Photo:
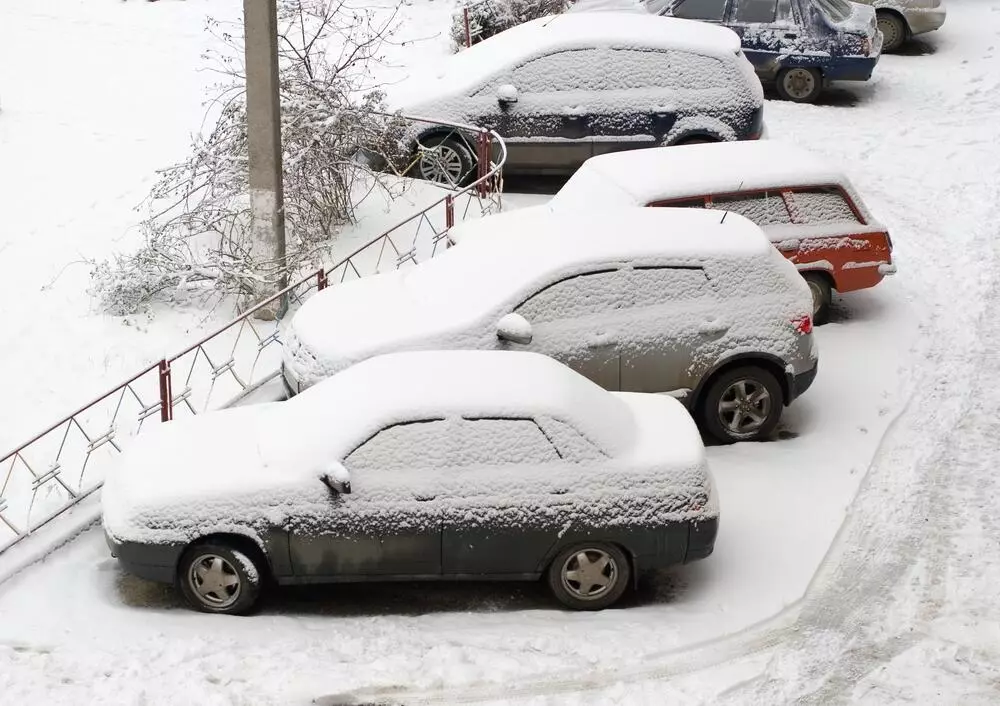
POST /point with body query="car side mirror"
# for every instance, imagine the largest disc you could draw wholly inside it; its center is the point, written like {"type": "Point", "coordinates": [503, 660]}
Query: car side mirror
{"type": "Point", "coordinates": [337, 479]}
{"type": "Point", "coordinates": [506, 95]}
{"type": "Point", "coordinates": [514, 328]}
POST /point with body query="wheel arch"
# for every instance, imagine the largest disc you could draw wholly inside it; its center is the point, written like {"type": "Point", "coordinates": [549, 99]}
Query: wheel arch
{"type": "Point", "coordinates": [768, 362]}
{"type": "Point", "coordinates": [821, 272]}
{"type": "Point", "coordinates": [558, 547]}
{"type": "Point", "coordinates": [247, 542]}
{"type": "Point", "coordinates": [445, 132]}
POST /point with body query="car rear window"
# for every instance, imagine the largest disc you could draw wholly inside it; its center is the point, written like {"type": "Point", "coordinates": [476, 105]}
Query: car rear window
{"type": "Point", "coordinates": [836, 10]}
{"type": "Point", "coordinates": [820, 205]}
{"type": "Point", "coordinates": [752, 11]}
{"type": "Point", "coordinates": [764, 209]}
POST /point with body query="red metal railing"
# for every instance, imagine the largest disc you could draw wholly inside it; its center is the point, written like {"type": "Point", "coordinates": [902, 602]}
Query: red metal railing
{"type": "Point", "coordinates": [56, 469]}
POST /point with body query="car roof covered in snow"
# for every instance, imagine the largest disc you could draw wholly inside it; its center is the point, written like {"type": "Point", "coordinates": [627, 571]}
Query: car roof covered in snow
{"type": "Point", "coordinates": [639, 177]}
{"type": "Point", "coordinates": [569, 31]}
{"type": "Point", "coordinates": [414, 385]}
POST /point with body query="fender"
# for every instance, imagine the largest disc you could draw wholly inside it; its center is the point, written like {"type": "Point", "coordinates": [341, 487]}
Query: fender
{"type": "Point", "coordinates": [784, 379]}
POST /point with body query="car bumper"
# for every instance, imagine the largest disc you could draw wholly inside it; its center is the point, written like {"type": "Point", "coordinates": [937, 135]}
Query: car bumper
{"type": "Point", "coordinates": [798, 384]}
{"type": "Point", "coordinates": [701, 539]}
{"type": "Point", "coordinates": [850, 69]}
{"type": "Point", "coordinates": [921, 21]}
{"type": "Point", "coordinates": [153, 562]}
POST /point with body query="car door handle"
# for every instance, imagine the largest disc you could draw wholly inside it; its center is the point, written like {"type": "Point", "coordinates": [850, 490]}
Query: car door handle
{"type": "Point", "coordinates": [791, 35]}
{"type": "Point", "coordinates": [424, 498]}
{"type": "Point", "coordinates": [713, 327]}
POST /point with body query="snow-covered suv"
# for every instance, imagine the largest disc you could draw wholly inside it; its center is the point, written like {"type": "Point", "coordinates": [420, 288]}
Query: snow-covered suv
{"type": "Point", "coordinates": [561, 89]}
{"type": "Point", "coordinates": [715, 316]}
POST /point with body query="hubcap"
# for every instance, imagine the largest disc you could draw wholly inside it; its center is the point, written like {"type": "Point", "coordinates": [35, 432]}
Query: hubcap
{"type": "Point", "coordinates": [817, 295]}
{"type": "Point", "coordinates": [890, 33]}
{"type": "Point", "coordinates": [744, 407]}
{"type": "Point", "coordinates": [799, 83]}
{"type": "Point", "coordinates": [589, 574]}
{"type": "Point", "coordinates": [214, 580]}
{"type": "Point", "coordinates": [442, 164]}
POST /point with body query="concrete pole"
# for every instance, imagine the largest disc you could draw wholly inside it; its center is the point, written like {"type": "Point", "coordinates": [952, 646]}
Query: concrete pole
{"type": "Point", "coordinates": [260, 25]}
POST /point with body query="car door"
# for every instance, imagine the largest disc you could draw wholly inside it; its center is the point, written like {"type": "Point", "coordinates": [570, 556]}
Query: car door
{"type": "Point", "coordinates": [576, 321]}
{"type": "Point", "coordinates": [390, 523]}
{"type": "Point", "coordinates": [767, 29]}
{"type": "Point", "coordinates": [503, 513]}
{"type": "Point", "coordinates": [637, 105]}
{"type": "Point", "coordinates": [547, 129]}
{"type": "Point", "coordinates": [674, 323]}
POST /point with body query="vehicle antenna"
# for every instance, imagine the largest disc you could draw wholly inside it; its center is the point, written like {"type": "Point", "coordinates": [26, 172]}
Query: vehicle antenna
{"type": "Point", "coordinates": [726, 213]}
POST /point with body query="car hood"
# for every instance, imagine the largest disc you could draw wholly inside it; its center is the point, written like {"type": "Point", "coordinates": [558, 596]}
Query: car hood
{"type": "Point", "coordinates": [350, 322]}
{"type": "Point", "coordinates": [194, 476]}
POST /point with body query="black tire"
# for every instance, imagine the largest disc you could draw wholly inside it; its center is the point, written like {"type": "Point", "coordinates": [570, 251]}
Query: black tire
{"type": "Point", "coordinates": [696, 140]}
{"type": "Point", "coordinates": [894, 31]}
{"type": "Point", "coordinates": [799, 84]}
{"type": "Point", "coordinates": [822, 295]}
{"type": "Point", "coordinates": [444, 159]}
{"type": "Point", "coordinates": [222, 564]}
{"type": "Point", "coordinates": [571, 591]}
{"type": "Point", "coordinates": [734, 396]}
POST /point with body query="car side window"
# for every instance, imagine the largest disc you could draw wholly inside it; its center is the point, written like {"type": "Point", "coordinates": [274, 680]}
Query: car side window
{"type": "Point", "coordinates": [751, 11]}
{"type": "Point", "coordinates": [575, 297]}
{"type": "Point", "coordinates": [712, 10]}
{"type": "Point", "coordinates": [649, 286]}
{"type": "Point", "coordinates": [630, 69]}
{"type": "Point", "coordinates": [408, 445]}
{"type": "Point", "coordinates": [571, 444]}
{"type": "Point", "coordinates": [498, 442]}
{"type": "Point", "coordinates": [820, 205]}
{"type": "Point", "coordinates": [681, 203]}
{"type": "Point", "coordinates": [764, 209]}
{"type": "Point", "coordinates": [561, 71]}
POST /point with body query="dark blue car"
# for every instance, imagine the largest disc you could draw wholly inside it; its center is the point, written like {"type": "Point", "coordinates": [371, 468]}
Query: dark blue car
{"type": "Point", "coordinates": [798, 45]}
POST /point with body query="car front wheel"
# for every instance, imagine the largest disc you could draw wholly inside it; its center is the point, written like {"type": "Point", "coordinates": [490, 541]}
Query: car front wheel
{"type": "Point", "coordinates": [215, 578]}
{"type": "Point", "coordinates": [742, 404]}
{"type": "Point", "coordinates": [799, 84]}
{"type": "Point", "coordinates": [589, 576]}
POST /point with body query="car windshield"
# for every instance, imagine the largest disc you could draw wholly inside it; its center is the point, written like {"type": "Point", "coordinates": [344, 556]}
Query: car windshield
{"type": "Point", "coordinates": [836, 10]}
{"type": "Point", "coordinates": [657, 6]}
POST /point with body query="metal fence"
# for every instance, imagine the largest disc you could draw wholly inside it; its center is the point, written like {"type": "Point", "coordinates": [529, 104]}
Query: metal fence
{"type": "Point", "coordinates": [45, 476]}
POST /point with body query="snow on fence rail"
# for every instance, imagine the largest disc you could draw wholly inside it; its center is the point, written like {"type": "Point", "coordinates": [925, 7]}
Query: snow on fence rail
{"type": "Point", "coordinates": [50, 473]}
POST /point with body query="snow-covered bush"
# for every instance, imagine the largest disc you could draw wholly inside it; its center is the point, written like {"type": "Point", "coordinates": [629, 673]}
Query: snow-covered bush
{"type": "Point", "coordinates": [198, 235]}
{"type": "Point", "coordinates": [489, 17]}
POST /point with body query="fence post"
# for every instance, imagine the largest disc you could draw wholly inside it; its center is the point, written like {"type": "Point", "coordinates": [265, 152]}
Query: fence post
{"type": "Point", "coordinates": [468, 29]}
{"type": "Point", "coordinates": [321, 280]}
{"type": "Point", "coordinates": [166, 393]}
{"type": "Point", "coordinates": [483, 161]}
{"type": "Point", "coordinates": [449, 211]}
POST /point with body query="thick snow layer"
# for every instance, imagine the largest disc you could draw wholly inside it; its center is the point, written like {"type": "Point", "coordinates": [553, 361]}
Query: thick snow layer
{"type": "Point", "coordinates": [457, 299]}
{"type": "Point", "coordinates": [472, 67]}
{"type": "Point", "coordinates": [255, 467]}
{"type": "Point", "coordinates": [640, 177]}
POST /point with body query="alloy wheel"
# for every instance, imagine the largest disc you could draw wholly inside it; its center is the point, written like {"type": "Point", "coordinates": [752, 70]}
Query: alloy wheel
{"type": "Point", "coordinates": [214, 581]}
{"type": "Point", "coordinates": [442, 164]}
{"type": "Point", "coordinates": [744, 406]}
{"type": "Point", "coordinates": [589, 574]}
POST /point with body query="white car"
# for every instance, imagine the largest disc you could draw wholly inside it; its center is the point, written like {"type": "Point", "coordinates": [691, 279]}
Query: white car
{"type": "Point", "coordinates": [714, 315]}
{"type": "Point", "coordinates": [561, 89]}
{"type": "Point", "coordinates": [427, 465]}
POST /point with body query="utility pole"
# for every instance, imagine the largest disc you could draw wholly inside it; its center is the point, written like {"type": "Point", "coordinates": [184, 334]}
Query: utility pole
{"type": "Point", "coordinates": [267, 226]}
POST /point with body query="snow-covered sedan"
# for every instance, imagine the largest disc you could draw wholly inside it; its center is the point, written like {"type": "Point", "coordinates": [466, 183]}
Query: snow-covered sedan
{"type": "Point", "coordinates": [424, 465]}
{"type": "Point", "coordinates": [692, 302]}
{"type": "Point", "coordinates": [564, 88]}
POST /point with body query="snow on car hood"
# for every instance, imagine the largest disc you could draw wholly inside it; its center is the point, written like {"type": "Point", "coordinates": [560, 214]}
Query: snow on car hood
{"type": "Point", "coordinates": [199, 475]}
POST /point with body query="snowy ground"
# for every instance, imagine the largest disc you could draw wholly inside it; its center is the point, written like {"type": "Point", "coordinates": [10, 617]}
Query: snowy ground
{"type": "Point", "coordinates": [894, 605]}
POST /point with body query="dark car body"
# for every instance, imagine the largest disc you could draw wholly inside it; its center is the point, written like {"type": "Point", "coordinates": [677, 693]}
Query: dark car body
{"type": "Point", "coordinates": [835, 37]}
{"type": "Point", "coordinates": [505, 462]}
{"type": "Point", "coordinates": [563, 89]}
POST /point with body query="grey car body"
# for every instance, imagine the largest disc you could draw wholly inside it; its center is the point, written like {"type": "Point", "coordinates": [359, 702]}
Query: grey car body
{"type": "Point", "coordinates": [899, 20]}
{"type": "Point", "coordinates": [638, 300]}
{"type": "Point", "coordinates": [488, 469]}
{"type": "Point", "coordinates": [562, 89]}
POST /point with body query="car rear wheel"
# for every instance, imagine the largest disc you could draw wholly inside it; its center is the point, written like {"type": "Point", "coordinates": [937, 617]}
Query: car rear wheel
{"type": "Point", "coordinates": [589, 576]}
{"type": "Point", "coordinates": [799, 84]}
{"type": "Point", "coordinates": [742, 404]}
{"type": "Point", "coordinates": [215, 578]}
{"type": "Point", "coordinates": [893, 31]}
{"type": "Point", "coordinates": [822, 296]}
{"type": "Point", "coordinates": [445, 160]}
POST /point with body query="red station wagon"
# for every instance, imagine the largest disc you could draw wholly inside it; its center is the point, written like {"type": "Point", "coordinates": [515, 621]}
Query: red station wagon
{"type": "Point", "coordinates": [808, 209]}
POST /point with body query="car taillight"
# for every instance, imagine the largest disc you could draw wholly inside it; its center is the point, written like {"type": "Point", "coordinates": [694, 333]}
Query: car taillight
{"type": "Point", "coordinates": [803, 324]}
{"type": "Point", "coordinates": [866, 46]}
